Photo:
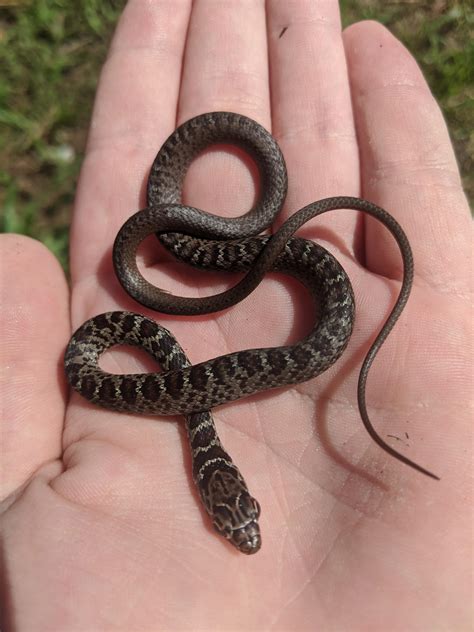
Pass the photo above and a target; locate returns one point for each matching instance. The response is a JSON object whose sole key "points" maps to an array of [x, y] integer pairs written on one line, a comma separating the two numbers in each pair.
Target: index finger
{"points": [[132, 116]]}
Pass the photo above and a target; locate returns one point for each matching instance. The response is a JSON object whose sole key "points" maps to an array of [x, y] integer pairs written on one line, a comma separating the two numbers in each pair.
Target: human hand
{"points": [[101, 525]]}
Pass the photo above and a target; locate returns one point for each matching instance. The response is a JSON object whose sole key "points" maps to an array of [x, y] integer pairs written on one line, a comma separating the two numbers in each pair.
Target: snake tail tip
{"points": [[422, 470]]}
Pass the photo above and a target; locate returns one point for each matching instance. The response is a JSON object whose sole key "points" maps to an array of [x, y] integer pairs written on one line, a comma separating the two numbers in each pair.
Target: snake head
{"points": [[234, 511]]}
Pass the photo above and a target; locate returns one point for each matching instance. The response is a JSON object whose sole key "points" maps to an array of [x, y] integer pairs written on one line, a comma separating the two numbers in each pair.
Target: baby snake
{"points": [[214, 243]]}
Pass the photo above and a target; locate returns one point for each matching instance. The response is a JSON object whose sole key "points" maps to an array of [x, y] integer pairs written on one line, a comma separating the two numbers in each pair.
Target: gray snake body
{"points": [[212, 242]]}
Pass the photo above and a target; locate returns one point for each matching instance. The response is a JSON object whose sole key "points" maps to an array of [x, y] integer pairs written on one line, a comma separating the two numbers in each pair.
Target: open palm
{"points": [[102, 527]]}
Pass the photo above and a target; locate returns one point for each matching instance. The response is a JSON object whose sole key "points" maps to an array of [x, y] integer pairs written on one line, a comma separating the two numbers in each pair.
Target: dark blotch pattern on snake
{"points": [[216, 243]]}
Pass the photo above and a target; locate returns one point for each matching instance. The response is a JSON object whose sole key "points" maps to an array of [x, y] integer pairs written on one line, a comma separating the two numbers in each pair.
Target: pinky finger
{"points": [[407, 161]]}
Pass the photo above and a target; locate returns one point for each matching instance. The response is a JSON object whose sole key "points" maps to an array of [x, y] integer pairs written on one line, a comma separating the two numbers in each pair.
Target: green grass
{"points": [[52, 51]]}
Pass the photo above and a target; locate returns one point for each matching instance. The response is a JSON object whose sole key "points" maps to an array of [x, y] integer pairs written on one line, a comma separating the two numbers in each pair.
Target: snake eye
{"points": [[222, 521], [257, 509], [249, 506]]}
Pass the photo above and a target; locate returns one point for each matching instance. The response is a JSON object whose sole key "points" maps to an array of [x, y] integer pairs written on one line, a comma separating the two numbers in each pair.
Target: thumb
{"points": [[34, 321]]}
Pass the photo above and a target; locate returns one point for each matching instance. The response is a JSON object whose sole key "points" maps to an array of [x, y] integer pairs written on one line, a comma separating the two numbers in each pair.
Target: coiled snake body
{"points": [[212, 242]]}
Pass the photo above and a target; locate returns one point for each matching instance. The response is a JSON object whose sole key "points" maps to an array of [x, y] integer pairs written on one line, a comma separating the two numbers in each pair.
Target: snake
{"points": [[211, 242]]}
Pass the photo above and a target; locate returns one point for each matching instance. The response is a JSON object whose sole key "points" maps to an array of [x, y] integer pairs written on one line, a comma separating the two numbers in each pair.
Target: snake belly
{"points": [[212, 242]]}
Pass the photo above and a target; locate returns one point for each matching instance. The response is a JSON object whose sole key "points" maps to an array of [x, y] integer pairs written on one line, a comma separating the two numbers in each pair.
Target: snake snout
{"points": [[245, 534], [247, 539]]}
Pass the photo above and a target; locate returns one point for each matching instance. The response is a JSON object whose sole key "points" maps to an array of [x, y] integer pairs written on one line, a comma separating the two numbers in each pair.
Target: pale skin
{"points": [[102, 528]]}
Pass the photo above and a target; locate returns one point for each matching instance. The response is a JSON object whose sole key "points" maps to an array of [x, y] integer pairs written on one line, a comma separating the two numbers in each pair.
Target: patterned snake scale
{"points": [[214, 243]]}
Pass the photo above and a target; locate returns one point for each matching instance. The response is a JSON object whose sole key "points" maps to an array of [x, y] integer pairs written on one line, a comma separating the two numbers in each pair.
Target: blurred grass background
{"points": [[51, 52]]}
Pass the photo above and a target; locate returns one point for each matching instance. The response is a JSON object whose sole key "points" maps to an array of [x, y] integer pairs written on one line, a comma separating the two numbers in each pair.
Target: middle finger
{"points": [[312, 111], [225, 68]]}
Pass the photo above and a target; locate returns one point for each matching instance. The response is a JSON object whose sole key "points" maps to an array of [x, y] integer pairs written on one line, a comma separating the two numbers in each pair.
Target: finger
{"points": [[408, 165], [311, 107], [34, 321], [134, 112], [225, 69]]}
